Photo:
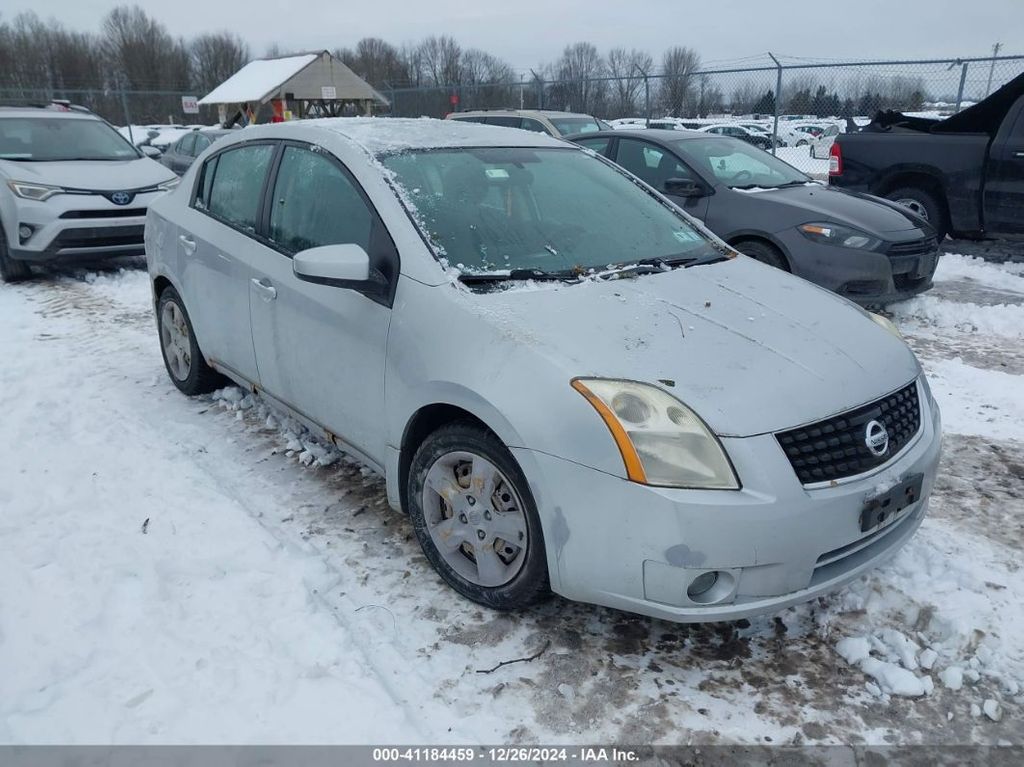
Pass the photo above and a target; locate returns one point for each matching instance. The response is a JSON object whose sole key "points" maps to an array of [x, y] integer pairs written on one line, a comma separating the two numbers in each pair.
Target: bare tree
{"points": [[677, 84], [441, 60], [577, 88], [627, 67], [215, 57]]}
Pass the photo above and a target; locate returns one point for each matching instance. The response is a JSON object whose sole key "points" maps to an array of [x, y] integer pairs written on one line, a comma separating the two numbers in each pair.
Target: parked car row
{"points": [[433, 296]]}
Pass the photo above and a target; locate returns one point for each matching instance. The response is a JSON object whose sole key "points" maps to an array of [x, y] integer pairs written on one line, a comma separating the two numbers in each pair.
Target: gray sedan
{"points": [[566, 383], [865, 248], [181, 154]]}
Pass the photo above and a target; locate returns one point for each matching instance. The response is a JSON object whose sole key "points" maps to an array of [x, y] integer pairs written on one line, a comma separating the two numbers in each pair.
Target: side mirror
{"points": [[684, 187], [150, 151], [339, 266]]}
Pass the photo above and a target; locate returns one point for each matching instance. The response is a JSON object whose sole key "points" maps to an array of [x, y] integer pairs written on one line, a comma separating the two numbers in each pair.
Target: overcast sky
{"points": [[530, 32]]}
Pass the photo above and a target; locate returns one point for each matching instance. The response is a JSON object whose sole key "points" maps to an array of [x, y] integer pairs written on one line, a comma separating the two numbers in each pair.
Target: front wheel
{"points": [[924, 204], [763, 252], [475, 518], [11, 269], [182, 358]]}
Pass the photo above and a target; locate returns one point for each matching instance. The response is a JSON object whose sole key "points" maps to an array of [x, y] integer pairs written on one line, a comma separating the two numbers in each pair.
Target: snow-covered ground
{"points": [[183, 571]]}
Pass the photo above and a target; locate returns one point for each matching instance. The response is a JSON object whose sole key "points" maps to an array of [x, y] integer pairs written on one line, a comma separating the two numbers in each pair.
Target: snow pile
{"points": [[953, 266], [893, 672], [944, 627], [942, 314], [297, 441], [983, 402]]}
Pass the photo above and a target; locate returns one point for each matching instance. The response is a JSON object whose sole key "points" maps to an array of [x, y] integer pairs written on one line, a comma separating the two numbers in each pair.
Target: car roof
{"points": [[385, 135], [658, 134], [46, 112], [541, 112]]}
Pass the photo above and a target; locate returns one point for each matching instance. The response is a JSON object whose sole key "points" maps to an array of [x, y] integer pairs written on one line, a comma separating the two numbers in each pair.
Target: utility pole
{"points": [[992, 66]]}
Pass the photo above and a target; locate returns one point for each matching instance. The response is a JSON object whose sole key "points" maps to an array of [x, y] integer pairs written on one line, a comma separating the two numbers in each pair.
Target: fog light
{"points": [[702, 584], [24, 232]]}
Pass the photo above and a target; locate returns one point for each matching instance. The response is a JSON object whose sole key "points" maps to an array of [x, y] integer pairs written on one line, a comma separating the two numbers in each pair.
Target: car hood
{"points": [[816, 203], [750, 348], [98, 175]]}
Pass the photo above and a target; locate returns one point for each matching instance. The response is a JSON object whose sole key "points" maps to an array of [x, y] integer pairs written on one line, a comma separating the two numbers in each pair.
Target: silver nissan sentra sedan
{"points": [[568, 384]]}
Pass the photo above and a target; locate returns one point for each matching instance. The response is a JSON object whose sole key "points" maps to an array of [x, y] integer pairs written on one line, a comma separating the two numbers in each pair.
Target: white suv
{"points": [[70, 188]]}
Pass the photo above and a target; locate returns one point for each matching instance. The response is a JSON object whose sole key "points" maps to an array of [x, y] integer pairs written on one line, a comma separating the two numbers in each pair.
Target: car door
{"points": [[1004, 182], [217, 239], [656, 165], [321, 349]]}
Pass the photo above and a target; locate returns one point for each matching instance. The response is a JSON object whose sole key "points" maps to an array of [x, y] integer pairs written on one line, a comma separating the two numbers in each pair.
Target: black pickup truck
{"points": [[965, 174]]}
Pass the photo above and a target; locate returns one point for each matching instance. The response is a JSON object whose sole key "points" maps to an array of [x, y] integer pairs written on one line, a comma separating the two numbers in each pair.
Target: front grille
{"points": [[102, 237], [836, 448], [119, 213], [914, 248]]}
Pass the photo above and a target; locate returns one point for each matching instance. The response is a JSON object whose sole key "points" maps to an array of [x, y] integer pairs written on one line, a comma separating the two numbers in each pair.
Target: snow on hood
{"points": [[748, 347], [98, 175]]}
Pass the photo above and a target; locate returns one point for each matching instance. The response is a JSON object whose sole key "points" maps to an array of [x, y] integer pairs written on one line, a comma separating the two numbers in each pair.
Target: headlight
{"points": [[885, 322], [37, 192], [844, 236], [168, 185], [662, 441]]}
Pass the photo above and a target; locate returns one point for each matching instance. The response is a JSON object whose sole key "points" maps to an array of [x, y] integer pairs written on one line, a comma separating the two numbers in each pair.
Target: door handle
{"points": [[187, 244], [267, 292], [1018, 154]]}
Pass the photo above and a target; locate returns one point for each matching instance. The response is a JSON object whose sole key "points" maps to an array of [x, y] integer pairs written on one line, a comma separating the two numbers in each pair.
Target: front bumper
{"points": [[865, 277], [77, 227], [774, 543]]}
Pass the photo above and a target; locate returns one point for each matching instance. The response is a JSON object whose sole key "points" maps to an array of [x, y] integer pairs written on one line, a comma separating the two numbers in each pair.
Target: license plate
{"points": [[926, 265], [885, 507]]}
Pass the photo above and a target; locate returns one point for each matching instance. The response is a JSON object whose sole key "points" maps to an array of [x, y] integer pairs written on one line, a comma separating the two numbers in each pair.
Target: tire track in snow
{"points": [[74, 297]]}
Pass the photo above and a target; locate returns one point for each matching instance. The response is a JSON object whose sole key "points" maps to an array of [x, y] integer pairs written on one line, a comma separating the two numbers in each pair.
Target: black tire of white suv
{"points": [[11, 269]]}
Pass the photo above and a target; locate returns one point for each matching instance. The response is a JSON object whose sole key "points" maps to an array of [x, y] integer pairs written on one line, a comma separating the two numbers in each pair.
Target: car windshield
{"points": [[739, 165], [52, 139], [552, 210], [567, 125]]}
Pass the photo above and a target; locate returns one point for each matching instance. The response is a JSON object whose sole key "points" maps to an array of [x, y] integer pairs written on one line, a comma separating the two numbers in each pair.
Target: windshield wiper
{"points": [[710, 258], [518, 274]]}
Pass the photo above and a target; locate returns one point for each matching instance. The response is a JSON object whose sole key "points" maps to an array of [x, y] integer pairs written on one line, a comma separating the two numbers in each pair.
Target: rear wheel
{"points": [[475, 518], [11, 269], [184, 361], [923, 203], [763, 252]]}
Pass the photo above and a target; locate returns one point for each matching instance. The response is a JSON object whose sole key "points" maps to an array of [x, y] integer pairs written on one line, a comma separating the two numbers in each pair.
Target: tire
{"points": [[763, 252], [183, 359], [925, 204], [11, 269], [454, 459]]}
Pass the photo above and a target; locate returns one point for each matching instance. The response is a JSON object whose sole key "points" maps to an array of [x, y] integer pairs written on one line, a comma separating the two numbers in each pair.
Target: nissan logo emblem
{"points": [[120, 198], [876, 437]]}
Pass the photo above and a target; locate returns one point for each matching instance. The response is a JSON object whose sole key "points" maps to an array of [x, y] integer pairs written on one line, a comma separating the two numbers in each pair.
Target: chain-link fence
{"points": [[789, 87], [759, 89]]}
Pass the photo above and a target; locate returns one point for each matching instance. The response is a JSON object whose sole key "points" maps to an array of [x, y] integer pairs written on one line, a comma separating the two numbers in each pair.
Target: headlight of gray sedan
{"points": [[843, 236], [661, 440]]}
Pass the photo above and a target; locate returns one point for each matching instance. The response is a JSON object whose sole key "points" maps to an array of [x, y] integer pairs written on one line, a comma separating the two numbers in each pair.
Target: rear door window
{"points": [[237, 185]]}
